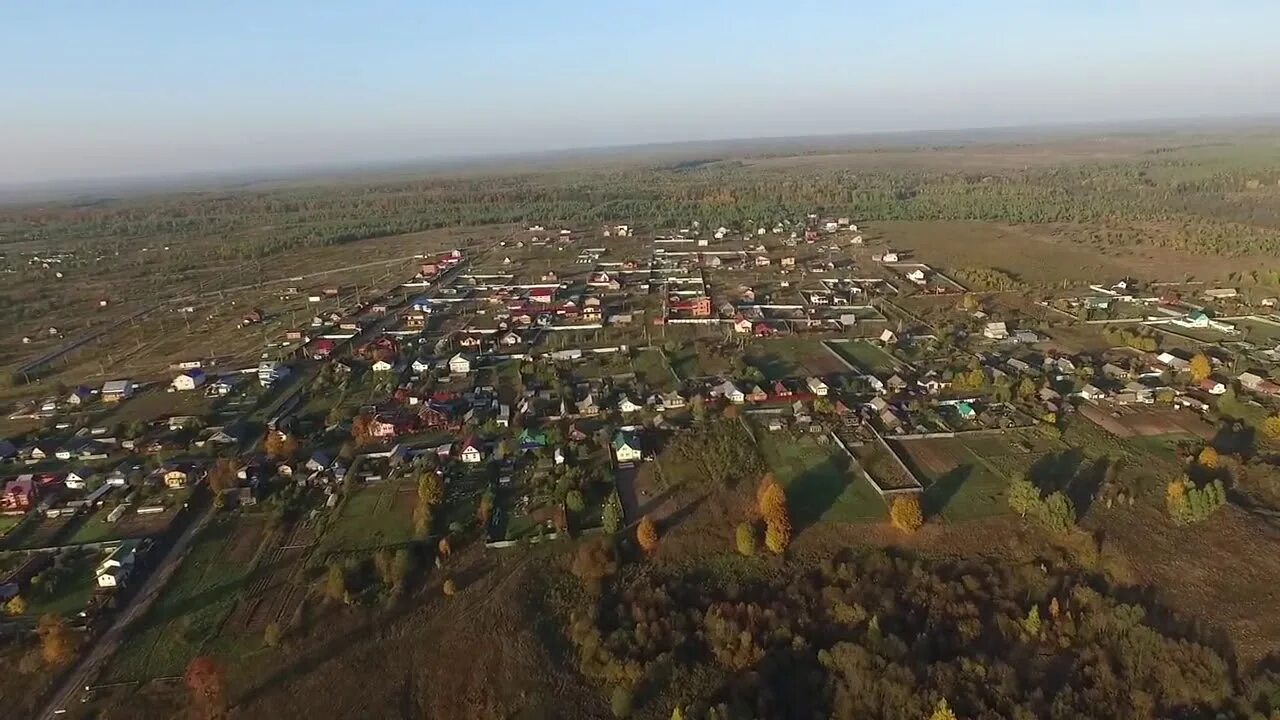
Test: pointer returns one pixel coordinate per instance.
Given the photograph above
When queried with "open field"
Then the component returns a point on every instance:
(793, 358)
(865, 356)
(372, 516)
(821, 485)
(1129, 422)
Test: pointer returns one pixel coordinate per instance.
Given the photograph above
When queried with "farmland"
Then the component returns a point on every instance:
(821, 485)
(372, 516)
(793, 358)
(865, 356)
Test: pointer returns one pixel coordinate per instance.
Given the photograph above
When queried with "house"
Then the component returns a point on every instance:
(672, 400)
(730, 392)
(757, 394)
(469, 341)
(114, 570)
(1135, 393)
(780, 389)
(587, 406)
(271, 371)
(382, 365)
(1221, 293)
(222, 386)
(917, 276)
(78, 479)
(896, 383)
(816, 386)
(421, 365)
(1115, 372)
(322, 348)
(469, 452)
(698, 307)
(626, 447)
(1213, 387)
(189, 380)
(1092, 392)
(625, 405)
(19, 494)
(1258, 384)
(741, 324)
(1173, 362)
(888, 337)
(117, 390)
(995, 331)
(966, 411)
(459, 364)
(79, 396)
(510, 339)
(176, 478)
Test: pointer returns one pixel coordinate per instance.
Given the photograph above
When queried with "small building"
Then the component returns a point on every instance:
(995, 331)
(730, 392)
(1092, 393)
(469, 452)
(271, 371)
(117, 390)
(459, 364)
(816, 386)
(189, 380)
(19, 494)
(79, 396)
(626, 447)
(627, 406)
(114, 570)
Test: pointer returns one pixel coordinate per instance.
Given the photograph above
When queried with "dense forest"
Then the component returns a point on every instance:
(1221, 199)
(877, 634)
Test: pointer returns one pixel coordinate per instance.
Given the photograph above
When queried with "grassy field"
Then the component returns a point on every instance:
(372, 516)
(651, 368)
(865, 356)
(194, 606)
(74, 588)
(821, 485)
(793, 358)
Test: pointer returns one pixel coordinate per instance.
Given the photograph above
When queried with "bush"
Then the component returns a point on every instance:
(746, 539)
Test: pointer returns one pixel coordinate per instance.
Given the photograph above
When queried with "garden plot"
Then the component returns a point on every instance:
(867, 357)
(794, 358)
(821, 482)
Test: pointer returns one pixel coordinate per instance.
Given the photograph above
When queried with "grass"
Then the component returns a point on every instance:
(865, 356)
(201, 595)
(821, 486)
(371, 517)
(157, 403)
(651, 368)
(73, 591)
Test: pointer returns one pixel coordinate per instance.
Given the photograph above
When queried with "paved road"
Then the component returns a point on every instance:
(107, 643)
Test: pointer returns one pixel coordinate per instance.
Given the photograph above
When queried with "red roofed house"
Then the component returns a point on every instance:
(546, 296)
(19, 494)
(322, 348)
(696, 307)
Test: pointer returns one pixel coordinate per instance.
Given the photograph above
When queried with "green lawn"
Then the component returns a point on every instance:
(651, 368)
(866, 356)
(821, 484)
(371, 517)
(190, 613)
(74, 586)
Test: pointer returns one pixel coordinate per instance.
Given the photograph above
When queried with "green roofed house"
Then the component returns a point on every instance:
(626, 447)
(966, 411)
(530, 440)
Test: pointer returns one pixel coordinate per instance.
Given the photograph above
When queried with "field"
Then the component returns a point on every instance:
(821, 485)
(191, 613)
(792, 358)
(865, 356)
(651, 369)
(959, 484)
(1133, 422)
(372, 516)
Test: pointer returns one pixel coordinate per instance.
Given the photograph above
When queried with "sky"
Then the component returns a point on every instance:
(92, 89)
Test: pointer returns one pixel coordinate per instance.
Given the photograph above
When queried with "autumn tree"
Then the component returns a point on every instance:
(1208, 458)
(777, 534)
(444, 549)
(271, 635)
(942, 711)
(905, 513)
(280, 446)
(773, 501)
(362, 430)
(335, 583)
(746, 539)
(1201, 368)
(431, 488)
(206, 680)
(1271, 427)
(57, 642)
(647, 535)
(16, 606)
(450, 588)
(594, 563)
(223, 475)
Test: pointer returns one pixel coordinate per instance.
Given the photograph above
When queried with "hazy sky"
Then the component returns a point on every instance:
(91, 88)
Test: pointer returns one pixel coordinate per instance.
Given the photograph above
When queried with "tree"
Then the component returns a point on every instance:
(443, 548)
(271, 635)
(207, 682)
(335, 582)
(621, 702)
(647, 535)
(1271, 427)
(905, 513)
(1208, 458)
(777, 534)
(224, 475)
(450, 588)
(280, 446)
(773, 502)
(484, 511)
(431, 488)
(594, 563)
(1031, 624)
(57, 643)
(611, 516)
(746, 539)
(1024, 497)
(16, 606)
(1201, 368)
(942, 711)
(574, 501)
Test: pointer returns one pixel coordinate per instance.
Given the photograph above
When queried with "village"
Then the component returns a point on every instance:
(539, 374)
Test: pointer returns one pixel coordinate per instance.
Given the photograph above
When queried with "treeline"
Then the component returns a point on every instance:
(883, 635)
(1201, 203)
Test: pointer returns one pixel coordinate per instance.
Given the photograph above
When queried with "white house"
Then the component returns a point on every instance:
(459, 364)
(731, 392)
(626, 447)
(421, 365)
(382, 366)
(816, 386)
(271, 371)
(114, 570)
(625, 405)
(470, 452)
(917, 276)
(117, 390)
(995, 331)
(1092, 392)
(78, 479)
(888, 337)
(189, 380)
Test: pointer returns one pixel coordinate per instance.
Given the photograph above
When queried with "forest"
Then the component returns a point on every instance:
(885, 634)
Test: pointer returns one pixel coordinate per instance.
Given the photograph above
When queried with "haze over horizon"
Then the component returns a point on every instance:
(98, 91)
